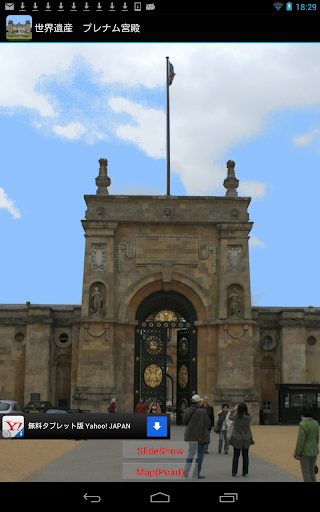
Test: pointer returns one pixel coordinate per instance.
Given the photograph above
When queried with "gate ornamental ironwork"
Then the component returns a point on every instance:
(151, 340)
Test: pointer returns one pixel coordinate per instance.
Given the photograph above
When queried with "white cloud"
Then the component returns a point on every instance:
(8, 204)
(22, 83)
(307, 138)
(256, 242)
(148, 130)
(70, 131)
(252, 188)
(221, 96)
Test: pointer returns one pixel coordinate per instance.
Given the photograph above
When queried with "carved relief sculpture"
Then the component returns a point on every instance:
(175, 249)
(100, 211)
(96, 302)
(234, 213)
(98, 261)
(96, 335)
(234, 258)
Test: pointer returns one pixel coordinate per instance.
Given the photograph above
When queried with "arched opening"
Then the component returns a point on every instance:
(166, 352)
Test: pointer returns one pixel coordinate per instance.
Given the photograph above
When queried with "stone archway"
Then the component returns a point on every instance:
(181, 283)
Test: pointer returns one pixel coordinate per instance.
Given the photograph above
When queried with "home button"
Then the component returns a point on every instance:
(159, 497)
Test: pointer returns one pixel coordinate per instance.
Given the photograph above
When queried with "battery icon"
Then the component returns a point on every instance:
(289, 6)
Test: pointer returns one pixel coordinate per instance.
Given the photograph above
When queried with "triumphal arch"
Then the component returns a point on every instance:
(166, 305)
(165, 313)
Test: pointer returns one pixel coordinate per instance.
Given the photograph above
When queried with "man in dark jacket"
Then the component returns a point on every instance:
(197, 434)
(209, 410)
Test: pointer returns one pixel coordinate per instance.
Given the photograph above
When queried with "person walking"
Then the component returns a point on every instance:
(113, 406)
(307, 447)
(241, 438)
(224, 421)
(141, 407)
(154, 407)
(197, 434)
(210, 412)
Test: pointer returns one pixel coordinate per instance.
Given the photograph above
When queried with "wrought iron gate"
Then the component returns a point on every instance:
(150, 365)
(186, 370)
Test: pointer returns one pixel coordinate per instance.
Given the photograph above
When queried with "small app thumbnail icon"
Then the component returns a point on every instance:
(19, 28)
(12, 426)
(150, 7)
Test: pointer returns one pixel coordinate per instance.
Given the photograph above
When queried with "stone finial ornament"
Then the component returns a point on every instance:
(231, 183)
(103, 181)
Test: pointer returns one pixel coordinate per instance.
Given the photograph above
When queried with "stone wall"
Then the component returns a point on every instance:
(136, 246)
(36, 351)
(33, 359)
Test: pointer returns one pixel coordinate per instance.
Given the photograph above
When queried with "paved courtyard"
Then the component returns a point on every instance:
(271, 459)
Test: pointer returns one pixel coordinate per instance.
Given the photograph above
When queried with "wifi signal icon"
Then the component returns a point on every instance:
(278, 5)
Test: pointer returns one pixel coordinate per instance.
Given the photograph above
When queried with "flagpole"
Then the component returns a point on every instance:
(168, 132)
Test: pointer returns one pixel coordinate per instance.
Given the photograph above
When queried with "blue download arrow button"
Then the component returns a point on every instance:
(157, 426)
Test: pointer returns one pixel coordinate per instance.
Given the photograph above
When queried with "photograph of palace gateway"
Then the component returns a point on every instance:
(166, 312)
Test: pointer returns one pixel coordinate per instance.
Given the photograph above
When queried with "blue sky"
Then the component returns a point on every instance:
(19, 18)
(64, 106)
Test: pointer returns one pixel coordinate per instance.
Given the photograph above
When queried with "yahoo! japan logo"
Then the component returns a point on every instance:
(12, 426)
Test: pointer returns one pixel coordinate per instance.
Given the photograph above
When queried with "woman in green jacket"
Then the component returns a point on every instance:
(307, 449)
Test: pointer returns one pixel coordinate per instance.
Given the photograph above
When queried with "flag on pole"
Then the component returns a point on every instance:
(171, 73)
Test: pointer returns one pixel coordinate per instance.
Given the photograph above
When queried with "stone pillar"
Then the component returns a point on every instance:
(234, 270)
(293, 348)
(38, 361)
(237, 358)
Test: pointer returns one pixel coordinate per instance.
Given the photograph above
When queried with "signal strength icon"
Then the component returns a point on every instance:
(278, 5)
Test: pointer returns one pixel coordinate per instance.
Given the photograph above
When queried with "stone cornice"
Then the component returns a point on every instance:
(167, 209)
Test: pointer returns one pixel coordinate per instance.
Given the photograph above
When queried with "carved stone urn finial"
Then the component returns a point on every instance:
(103, 181)
(231, 183)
